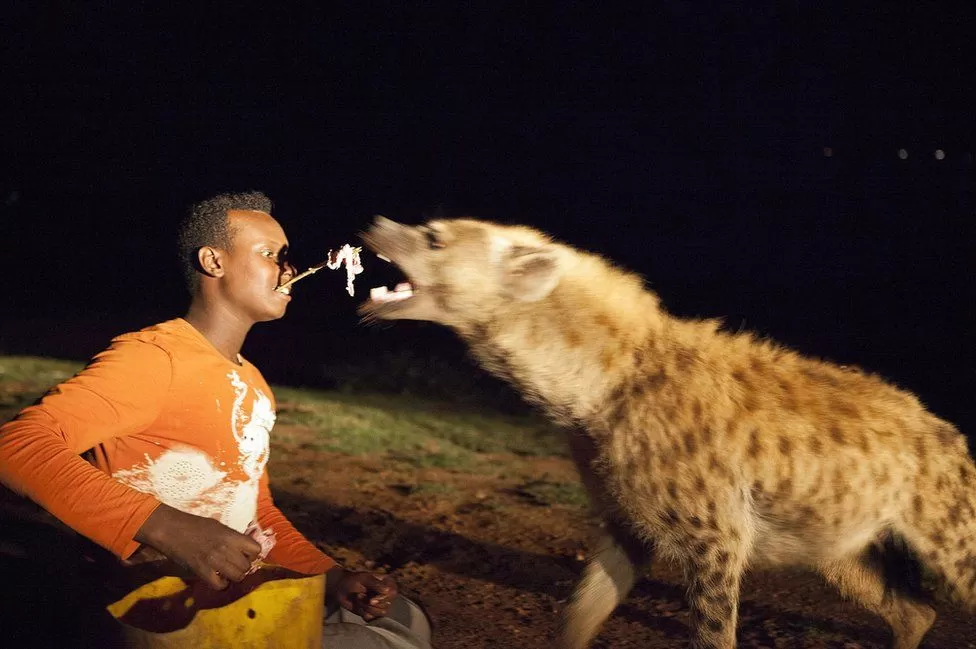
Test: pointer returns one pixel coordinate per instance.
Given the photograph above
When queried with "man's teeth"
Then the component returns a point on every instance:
(402, 291)
(283, 289)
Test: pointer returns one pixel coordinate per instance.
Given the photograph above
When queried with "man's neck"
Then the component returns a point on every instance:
(225, 331)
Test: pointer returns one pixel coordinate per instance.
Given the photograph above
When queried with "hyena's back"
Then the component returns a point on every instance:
(715, 449)
(821, 455)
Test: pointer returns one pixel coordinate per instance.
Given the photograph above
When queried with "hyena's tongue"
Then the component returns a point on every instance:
(402, 291)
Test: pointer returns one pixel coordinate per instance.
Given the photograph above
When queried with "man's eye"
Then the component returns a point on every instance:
(269, 253)
(432, 240)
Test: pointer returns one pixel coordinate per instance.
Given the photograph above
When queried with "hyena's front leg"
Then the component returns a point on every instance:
(715, 572)
(609, 575)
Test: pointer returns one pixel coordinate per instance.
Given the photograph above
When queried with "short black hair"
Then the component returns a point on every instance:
(206, 225)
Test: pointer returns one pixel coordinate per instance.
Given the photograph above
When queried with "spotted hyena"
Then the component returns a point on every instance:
(717, 450)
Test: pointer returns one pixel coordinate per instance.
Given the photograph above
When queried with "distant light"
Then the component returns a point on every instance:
(828, 152)
(903, 154)
(939, 154)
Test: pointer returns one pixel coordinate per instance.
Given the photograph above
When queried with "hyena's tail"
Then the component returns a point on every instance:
(608, 577)
(942, 526)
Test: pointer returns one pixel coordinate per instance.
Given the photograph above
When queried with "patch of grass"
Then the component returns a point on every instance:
(545, 492)
(425, 433)
(455, 460)
(23, 379)
(35, 372)
(435, 489)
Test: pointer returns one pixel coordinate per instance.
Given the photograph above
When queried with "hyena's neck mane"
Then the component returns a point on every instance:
(566, 351)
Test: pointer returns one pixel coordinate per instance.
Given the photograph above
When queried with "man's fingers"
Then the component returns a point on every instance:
(215, 580)
(243, 564)
(370, 612)
(380, 601)
(248, 547)
(233, 569)
(236, 559)
(387, 585)
(373, 607)
(218, 571)
(384, 589)
(380, 584)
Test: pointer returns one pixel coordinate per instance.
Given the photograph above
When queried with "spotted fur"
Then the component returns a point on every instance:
(720, 451)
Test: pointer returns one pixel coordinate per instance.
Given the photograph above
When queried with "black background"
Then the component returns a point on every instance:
(684, 140)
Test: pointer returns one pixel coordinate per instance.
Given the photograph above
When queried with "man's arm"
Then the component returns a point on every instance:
(120, 392)
(292, 550)
(366, 594)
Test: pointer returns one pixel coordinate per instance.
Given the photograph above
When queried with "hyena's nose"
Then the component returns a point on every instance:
(380, 221)
(387, 227)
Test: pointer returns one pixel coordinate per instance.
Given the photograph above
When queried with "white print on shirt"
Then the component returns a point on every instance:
(253, 433)
(188, 479)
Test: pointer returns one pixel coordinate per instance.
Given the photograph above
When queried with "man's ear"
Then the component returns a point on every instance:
(209, 261)
(530, 273)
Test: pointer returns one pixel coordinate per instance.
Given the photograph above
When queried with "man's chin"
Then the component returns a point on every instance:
(277, 314)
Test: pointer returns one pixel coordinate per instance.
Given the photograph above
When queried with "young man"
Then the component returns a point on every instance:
(178, 423)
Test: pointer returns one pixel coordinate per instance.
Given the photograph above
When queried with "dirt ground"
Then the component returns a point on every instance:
(492, 562)
(490, 559)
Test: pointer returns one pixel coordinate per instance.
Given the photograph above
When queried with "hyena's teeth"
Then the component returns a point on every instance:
(384, 258)
(402, 291)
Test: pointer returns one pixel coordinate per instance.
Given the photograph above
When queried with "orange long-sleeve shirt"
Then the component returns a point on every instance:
(170, 420)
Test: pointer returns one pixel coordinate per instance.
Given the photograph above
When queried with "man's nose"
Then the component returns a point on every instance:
(287, 271)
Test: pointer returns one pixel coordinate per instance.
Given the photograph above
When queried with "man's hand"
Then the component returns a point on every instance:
(211, 550)
(366, 594)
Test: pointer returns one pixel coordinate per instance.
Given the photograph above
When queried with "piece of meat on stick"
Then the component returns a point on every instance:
(347, 255)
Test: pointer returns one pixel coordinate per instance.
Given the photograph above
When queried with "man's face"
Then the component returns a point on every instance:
(255, 265)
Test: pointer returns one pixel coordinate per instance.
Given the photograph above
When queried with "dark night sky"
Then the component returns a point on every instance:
(682, 140)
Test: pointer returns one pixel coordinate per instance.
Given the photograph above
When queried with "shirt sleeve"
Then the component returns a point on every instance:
(119, 393)
(291, 550)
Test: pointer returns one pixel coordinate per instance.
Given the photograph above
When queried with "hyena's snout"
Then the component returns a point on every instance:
(390, 240)
(408, 296)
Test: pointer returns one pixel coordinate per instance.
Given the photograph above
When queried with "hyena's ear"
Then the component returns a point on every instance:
(530, 273)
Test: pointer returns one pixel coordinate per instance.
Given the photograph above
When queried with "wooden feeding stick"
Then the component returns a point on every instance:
(346, 254)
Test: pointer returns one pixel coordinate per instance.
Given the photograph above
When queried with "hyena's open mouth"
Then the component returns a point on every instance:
(383, 300)
(381, 294)
(397, 244)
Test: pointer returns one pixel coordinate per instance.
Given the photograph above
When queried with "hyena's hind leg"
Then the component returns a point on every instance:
(867, 579)
(610, 573)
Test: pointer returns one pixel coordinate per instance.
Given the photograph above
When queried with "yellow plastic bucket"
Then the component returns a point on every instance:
(271, 609)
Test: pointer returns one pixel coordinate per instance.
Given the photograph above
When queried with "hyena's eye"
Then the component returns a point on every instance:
(432, 241)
